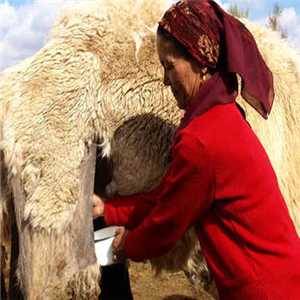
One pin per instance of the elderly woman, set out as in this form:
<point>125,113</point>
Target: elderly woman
<point>220,180</point>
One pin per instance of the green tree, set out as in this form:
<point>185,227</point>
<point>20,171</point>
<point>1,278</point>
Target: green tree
<point>238,12</point>
<point>274,21</point>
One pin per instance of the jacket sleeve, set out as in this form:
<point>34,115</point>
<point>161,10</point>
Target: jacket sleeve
<point>187,193</point>
<point>128,211</point>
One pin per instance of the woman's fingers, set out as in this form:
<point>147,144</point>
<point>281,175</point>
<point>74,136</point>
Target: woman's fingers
<point>98,207</point>
<point>119,244</point>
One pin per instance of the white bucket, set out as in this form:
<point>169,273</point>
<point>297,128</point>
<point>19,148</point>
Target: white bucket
<point>103,239</point>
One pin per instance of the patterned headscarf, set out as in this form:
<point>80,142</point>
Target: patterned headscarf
<point>218,40</point>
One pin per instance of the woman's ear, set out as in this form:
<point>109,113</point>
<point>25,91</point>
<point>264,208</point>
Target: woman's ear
<point>204,71</point>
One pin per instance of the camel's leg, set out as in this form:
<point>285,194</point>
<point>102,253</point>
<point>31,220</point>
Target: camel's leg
<point>14,289</point>
<point>60,265</point>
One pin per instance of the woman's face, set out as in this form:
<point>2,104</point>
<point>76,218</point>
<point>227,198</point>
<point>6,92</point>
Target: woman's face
<point>183,75</point>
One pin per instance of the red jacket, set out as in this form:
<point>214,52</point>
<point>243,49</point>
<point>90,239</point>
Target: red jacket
<point>222,183</point>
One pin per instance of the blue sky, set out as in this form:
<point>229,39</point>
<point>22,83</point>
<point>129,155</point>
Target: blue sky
<point>258,7</point>
<point>25,24</point>
<point>16,3</point>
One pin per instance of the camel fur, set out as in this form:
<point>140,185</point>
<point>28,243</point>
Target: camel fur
<point>84,83</point>
<point>99,74</point>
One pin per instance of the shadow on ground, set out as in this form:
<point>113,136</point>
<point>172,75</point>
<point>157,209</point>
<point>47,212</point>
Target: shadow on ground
<point>178,297</point>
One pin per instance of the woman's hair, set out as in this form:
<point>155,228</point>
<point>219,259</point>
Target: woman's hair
<point>177,46</point>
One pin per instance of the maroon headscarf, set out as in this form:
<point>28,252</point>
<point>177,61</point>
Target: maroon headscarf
<point>219,41</point>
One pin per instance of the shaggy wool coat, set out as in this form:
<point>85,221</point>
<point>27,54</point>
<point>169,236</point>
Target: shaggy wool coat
<point>221,182</point>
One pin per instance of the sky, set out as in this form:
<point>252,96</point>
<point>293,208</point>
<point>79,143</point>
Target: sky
<point>25,24</point>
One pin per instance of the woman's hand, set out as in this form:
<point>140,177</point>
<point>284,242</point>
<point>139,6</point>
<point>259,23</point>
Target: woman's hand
<point>119,245</point>
<point>98,207</point>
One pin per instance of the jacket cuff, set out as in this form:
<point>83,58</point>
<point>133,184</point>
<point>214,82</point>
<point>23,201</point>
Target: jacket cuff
<point>132,248</point>
<point>110,215</point>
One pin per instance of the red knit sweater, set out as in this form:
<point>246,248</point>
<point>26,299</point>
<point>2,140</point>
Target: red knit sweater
<point>222,183</point>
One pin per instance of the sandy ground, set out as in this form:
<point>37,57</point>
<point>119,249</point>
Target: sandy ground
<point>146,286</point>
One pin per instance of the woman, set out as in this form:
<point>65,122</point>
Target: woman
<point>220,180</point>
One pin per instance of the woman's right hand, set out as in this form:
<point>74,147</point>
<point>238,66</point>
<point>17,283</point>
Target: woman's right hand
<point>98,207</point>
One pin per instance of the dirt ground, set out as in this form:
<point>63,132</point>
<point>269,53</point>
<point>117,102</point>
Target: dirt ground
<point>146,286</point>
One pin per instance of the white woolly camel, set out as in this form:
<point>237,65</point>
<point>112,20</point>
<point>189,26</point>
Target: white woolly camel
<point>99,79</point>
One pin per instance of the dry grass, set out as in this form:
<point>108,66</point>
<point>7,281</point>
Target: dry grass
<point>146,286</point>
